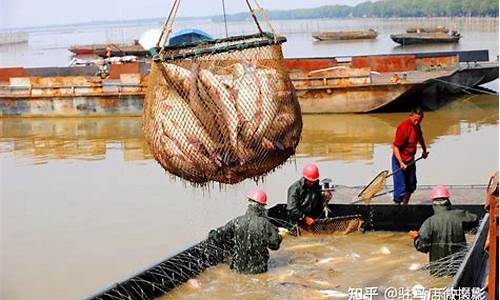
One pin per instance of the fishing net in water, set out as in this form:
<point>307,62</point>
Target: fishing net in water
<point>222,110</point>
<point>342,224</point>
<point>448,265</point>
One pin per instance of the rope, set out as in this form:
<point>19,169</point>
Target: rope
<point>167,26</point>
<point>466,87</point>
<point>252,13</point>
<point>264,16</point>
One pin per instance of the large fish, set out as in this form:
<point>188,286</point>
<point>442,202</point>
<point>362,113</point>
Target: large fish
<point>249,99</point>
<point>225,153</point>
<point>268,82</point>
<point>169,155</point>
<point>202,107</point>
<point>182,126</point>
<point>178,77</point>
<point>226,103</point>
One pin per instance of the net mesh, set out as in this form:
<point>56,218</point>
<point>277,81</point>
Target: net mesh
<point>374,187</point>
<point>223,111</point>
<point>343,224</point>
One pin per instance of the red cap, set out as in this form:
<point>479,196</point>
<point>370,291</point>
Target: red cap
<point>310,172</point>
<point>440,191</point>
<point>258,195</point>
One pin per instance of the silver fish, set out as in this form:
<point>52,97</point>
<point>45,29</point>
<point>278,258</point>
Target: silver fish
<point>268,84</point>
<point>226,104</point>
<point>248,99</point>
<point>181,125</point>
<point>201,108</point>
<point>179,77</point>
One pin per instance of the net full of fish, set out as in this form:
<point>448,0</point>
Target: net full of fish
<point>222,116</point>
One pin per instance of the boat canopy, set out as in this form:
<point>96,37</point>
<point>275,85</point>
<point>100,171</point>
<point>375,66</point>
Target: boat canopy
<point>188,36</point>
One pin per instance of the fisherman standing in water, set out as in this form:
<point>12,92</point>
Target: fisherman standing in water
<point>442,234</point>
<point>306,200</point>
<point>404,148</point>
<point>249,236</point>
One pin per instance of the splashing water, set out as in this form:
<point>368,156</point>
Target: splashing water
<point>326,266</point>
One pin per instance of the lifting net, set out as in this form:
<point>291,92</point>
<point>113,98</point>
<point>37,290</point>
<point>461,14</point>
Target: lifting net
<point>222,110</point>
<point>374,187</point>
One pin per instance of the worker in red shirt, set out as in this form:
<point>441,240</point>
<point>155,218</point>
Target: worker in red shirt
<point>404,148</point>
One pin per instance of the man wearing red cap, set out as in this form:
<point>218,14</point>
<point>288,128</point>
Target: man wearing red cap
<point>442,234</point>
<point>248,237</point>
<point>404,147</point>
<point>306,200</point>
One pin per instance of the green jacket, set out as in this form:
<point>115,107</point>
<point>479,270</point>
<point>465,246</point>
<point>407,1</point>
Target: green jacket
<point>248,237</point>
<point>303,200</point>
<point>443,234</point>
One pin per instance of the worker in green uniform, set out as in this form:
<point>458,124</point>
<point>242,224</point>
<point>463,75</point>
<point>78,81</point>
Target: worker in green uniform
<point>248,237</point>
<point>442,234</point>
<point>306,199</point>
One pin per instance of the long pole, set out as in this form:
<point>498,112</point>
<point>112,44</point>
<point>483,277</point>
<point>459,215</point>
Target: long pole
<point>225,21</point>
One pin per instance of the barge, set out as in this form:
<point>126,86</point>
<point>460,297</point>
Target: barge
<point>358,84</point>
<point>115,49</point>
<point>344,35</point>
<point>426,38</point>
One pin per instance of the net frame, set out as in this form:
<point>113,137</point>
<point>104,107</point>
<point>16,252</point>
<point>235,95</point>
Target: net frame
<point>375,186</point>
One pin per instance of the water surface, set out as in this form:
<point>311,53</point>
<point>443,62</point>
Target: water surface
<point>314,267</point>
<point>84,203</point>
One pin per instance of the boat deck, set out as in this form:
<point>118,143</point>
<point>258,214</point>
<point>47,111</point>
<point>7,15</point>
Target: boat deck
<point>408,77</point>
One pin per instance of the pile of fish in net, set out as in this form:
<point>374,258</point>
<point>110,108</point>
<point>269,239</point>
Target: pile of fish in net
<point>341,224</point>
<point>222,115</point>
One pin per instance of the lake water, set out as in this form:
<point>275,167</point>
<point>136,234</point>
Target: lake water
<point>83,204</point>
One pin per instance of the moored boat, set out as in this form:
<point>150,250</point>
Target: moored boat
<point>116,49</point>
<point>358,84</point>
<point>428,29</point>
<point>387,82</point>
<point>426,38</point>
<point>344,35</point>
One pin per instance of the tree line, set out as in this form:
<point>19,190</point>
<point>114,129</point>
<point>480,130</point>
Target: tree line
<point>384,9</point>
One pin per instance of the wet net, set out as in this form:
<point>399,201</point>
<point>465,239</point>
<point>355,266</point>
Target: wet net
<point>374,187</point>
<point>222,110</point>
<point>342,224</point>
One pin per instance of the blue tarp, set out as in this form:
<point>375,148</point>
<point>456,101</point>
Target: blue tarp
<point>188,36</point>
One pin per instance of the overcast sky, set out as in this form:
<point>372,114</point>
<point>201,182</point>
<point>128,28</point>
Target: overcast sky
<point>27,13</point>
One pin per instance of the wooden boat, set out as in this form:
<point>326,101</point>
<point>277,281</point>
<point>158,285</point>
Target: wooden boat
<point>344,35</point>
<point>426,38</point>
<point>380,83</point>
<point>121,49</point>
<point>117,49</point>
<point>428,29</point>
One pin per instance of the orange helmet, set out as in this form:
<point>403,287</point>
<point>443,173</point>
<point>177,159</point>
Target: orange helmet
<point>310,172</point>
<point>258,195</point>
<point>440,191</point>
